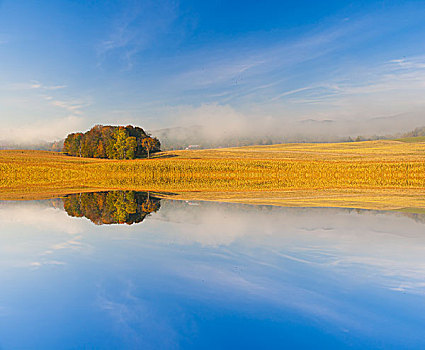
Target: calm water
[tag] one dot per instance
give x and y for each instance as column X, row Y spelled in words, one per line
column 198, row 275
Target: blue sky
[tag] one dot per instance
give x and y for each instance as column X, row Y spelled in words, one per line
column 66, row 65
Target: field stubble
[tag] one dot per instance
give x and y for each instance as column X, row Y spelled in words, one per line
column 392, row 167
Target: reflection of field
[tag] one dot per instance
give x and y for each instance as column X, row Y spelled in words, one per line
column 381, row 173
column 401, row 200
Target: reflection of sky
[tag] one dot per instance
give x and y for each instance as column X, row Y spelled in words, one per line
column 210, row 276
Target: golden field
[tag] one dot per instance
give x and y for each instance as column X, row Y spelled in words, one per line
column 381, row 173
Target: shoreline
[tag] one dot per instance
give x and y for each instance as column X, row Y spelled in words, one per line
column 411, row 200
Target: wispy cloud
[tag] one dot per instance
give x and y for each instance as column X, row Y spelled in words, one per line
column 34, row 84
column 62, row 111
column 248, row 66
column 352, row 98
column 72, row 105
column 290, row 92
column 388, row 88
column 292, row 78
column 137, row 28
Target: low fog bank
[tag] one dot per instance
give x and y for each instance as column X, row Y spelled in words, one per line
column 213, row 126
column 45, row 135
column 55, row 146
column 244, row 132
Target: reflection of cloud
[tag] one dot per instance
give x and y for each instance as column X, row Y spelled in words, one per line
column 69, row 244
column 136, row 321
column 38, row 264
column 37, row 249
column 39, row 216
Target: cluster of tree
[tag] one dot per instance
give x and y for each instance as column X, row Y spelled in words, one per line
column 418, row 132
column 112, row 142
column 113, row 207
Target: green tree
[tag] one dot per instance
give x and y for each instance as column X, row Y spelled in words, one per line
column 131, row 147
column 120, row 143
column 72, row 144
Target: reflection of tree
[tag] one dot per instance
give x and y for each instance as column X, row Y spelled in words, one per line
column 113, row 207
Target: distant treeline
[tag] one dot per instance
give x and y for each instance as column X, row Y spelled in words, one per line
column 416, row 133
column 112, row 142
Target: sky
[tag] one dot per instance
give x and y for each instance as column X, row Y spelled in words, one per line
column 241, row 66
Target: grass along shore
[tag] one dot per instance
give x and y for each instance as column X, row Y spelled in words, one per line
column 377, row 171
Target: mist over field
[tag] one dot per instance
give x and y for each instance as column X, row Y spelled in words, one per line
column 210, row 128
column 221, row 126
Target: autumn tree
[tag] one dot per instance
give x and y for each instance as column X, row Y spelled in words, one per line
column 112, row 142
column 72, row 144
column 149, row 144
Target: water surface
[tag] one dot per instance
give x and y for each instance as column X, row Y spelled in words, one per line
column 127, row 270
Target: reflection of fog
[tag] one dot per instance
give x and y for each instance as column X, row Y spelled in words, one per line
column 388, row 245
column 211, row 223
column 111, row 207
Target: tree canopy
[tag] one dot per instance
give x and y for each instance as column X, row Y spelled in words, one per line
column 112, row 142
